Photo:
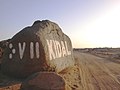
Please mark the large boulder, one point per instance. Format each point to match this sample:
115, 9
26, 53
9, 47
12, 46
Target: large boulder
44, 81
40, 47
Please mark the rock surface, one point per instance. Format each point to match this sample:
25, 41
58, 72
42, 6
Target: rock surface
40, 47
3, 45
44, 81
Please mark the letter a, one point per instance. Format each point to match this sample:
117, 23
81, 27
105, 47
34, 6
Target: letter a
21, 49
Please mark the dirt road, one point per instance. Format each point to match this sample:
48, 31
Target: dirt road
97, 73
89, 73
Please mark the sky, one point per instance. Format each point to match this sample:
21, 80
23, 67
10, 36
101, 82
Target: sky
88, 23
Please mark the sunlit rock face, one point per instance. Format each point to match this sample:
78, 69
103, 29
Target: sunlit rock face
40, 47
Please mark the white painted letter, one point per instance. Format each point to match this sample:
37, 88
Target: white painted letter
37, 50
63, 49
21, 49
31, 50
58, 48
50, 48
68, 52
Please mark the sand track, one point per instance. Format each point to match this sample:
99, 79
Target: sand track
97, 73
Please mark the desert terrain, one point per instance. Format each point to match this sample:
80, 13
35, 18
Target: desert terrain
94, 70
97, 73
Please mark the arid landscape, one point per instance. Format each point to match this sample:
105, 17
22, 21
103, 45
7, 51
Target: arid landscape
60, 45
95, 69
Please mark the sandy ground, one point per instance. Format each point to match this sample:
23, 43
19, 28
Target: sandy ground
90, 73
97, 73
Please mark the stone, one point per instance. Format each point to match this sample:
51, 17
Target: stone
1, 53
3, 45
44, 81
40, 47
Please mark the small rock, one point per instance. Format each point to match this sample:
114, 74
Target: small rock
44, 81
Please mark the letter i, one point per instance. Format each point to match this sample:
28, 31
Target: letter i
31, 50
37, 49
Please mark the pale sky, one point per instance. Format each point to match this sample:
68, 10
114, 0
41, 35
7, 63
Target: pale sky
89, 23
